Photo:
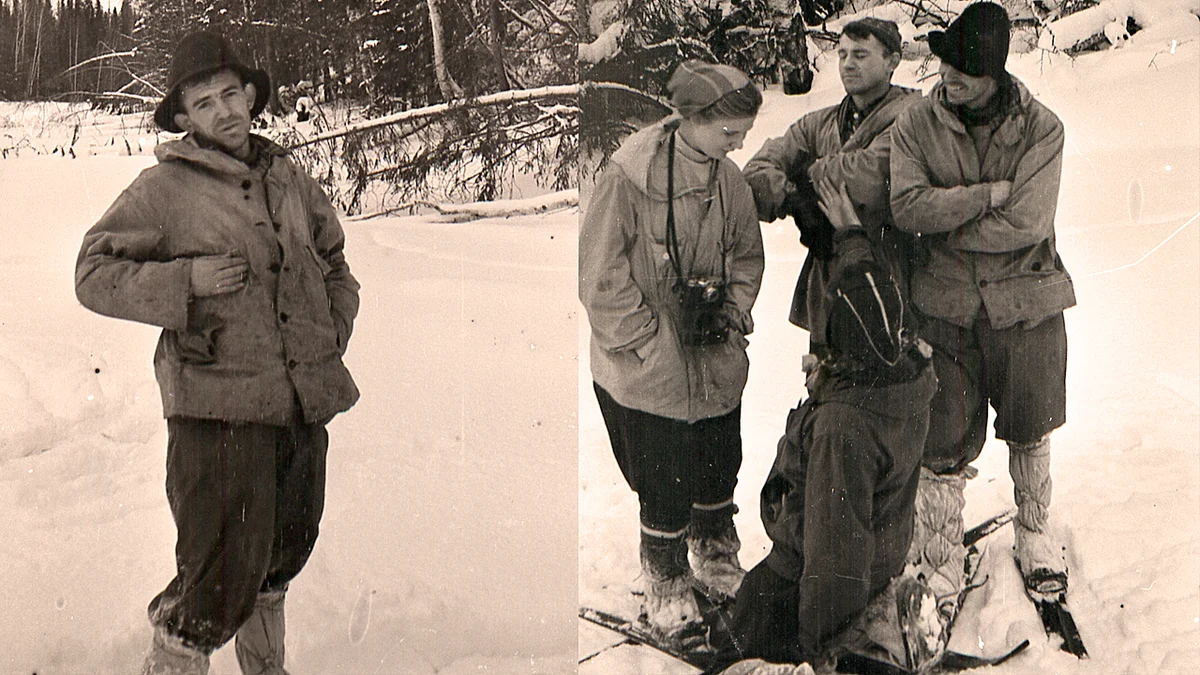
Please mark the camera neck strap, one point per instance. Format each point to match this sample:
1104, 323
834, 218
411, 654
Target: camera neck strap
672, 235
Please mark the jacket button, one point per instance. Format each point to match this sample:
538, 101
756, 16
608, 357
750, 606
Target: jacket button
983, 284
246, 184
283, 317
274, 267
292, 364
277, 226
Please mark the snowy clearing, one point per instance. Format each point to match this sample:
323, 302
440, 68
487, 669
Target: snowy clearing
449, 533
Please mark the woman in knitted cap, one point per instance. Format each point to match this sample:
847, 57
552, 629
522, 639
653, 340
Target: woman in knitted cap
670, 262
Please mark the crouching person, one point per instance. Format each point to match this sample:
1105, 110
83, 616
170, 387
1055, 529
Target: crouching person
670, 263
237, 254
838, 503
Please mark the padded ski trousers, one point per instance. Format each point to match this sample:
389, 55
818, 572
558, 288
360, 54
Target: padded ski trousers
675, 466
247, 500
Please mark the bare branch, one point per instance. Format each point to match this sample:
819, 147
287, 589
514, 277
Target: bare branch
515, 96
94, 59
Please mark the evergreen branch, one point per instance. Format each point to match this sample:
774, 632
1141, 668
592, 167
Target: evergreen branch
520, 19
554, 17
512, 96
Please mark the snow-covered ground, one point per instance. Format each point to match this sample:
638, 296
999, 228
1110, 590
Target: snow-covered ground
1127, 464
449, 537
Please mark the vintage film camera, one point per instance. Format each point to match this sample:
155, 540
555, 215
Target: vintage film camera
700, 301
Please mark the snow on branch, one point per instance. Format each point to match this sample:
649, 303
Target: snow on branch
604, 47
1109, 18
501, 98
102, 57
500, 208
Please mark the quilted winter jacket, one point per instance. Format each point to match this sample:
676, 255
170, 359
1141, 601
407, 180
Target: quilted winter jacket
247, 356
626, 278
861, 163
1002, 260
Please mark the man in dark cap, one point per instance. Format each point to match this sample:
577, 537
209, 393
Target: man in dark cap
237, 254
975, 170
847, 144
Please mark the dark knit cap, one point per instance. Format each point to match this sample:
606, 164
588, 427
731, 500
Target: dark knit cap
867, 317
976, 43
696, 85
885, 31
200, 54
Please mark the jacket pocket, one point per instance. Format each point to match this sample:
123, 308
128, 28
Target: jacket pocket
198, 344
322, 263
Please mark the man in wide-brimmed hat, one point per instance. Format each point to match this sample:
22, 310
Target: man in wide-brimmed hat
975, 170
237, 254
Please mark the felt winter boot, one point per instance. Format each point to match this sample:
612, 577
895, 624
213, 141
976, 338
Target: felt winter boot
714, 544
1040, 560
921, 623
902, 626
936, 553
669, 606
259, 642
170, 656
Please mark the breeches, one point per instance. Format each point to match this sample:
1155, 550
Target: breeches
247, 500
674, 465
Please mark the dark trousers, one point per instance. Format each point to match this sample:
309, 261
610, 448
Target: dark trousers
247, 500
671, 464
1021, 372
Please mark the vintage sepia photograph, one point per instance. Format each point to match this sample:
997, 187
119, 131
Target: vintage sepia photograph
831, 256
605, 337
287, 337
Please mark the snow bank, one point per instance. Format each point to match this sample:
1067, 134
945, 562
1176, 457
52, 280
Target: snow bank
1177, 17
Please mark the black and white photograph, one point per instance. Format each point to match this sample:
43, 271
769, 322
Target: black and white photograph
832, 255
605, 337
287, 337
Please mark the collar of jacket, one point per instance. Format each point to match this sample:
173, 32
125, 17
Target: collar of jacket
189, 151
881, 114
643, 156
1010, 131
896, 398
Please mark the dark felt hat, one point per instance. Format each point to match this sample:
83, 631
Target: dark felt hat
202, 53
976, 43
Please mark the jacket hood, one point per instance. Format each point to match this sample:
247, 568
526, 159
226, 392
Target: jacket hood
900, 401
189, 151
637, 159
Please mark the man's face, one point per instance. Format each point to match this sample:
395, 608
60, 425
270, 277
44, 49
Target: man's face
717, 137
218, 109
864, 65
963, 89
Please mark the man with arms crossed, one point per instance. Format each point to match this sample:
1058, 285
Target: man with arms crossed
975, 170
